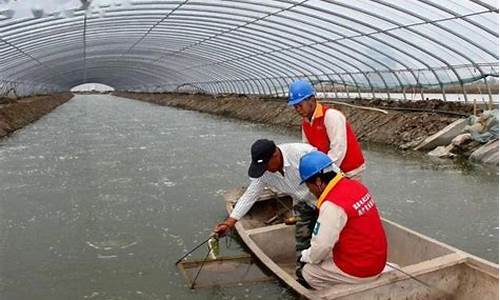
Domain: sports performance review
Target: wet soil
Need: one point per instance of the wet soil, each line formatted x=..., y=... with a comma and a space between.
x=17, y=113
x=394, y=128
x=403, y=123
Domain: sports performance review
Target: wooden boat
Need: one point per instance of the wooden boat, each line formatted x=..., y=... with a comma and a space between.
x=439, y=270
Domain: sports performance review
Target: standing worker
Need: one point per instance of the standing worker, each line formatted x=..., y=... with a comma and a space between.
x=327, y=129
x=348, y=243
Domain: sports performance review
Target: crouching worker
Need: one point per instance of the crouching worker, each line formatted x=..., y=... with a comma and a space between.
x=348, y=244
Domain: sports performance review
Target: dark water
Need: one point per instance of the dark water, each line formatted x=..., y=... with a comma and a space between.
x=99, y=198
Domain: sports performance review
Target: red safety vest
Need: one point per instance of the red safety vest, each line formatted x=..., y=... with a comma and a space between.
x=317, y=136
x=361, y=249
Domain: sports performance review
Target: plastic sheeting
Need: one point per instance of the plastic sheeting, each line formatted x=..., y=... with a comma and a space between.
x=483, y=128
x=252, y=47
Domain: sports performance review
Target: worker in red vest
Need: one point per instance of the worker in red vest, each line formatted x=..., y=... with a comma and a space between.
x=327, y=129
x=348, y=244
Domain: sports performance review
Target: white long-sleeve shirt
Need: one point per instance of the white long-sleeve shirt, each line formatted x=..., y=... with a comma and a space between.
x=331, y=220
x=335, y=124
x=288, y=183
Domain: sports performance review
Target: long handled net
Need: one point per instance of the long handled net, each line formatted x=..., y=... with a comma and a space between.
x=222, y=272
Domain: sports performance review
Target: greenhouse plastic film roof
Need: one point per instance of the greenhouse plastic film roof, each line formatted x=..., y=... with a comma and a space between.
x=251, y=47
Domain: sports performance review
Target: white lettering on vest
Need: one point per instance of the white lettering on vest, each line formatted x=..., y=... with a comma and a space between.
x=364, y=204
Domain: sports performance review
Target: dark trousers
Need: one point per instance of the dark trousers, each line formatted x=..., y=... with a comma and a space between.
x=306, y=220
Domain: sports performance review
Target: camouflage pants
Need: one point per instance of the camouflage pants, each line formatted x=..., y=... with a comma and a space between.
x=306, y=219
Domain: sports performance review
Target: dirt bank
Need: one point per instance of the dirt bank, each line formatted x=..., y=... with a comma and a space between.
x=395, y=128
x=15, y=114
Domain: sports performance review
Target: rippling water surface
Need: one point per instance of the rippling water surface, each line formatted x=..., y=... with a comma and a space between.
x=99, y=198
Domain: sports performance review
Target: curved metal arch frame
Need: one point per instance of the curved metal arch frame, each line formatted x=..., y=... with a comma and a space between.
x=353, y=78
x=310, y=57
x=56, y=43
x=425, y=20
x=394, y=47
x=31, y=57
x=118, y=65
x=157, y=73
x=231, y=43
x=309, y=45
x=267, y=76
x=118, y=81
x=431, y=68
x=291, y=33
x=434, y=40
x=350, y=48
x=156, y=60
x=262, y=65
x=281, y=58
x=382, y=78
x=70, y=59
x=144, y=59
x=6, y=86
x=297, y=47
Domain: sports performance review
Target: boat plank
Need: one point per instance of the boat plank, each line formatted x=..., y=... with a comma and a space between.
x=451, y=271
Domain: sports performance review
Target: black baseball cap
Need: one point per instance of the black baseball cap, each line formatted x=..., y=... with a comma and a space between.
x=262, y=150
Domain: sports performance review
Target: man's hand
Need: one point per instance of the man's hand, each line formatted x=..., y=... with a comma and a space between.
x=223, y=228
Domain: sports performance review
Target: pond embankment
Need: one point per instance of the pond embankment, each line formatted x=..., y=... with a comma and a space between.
x=405, y=124
x=394, y=128
x=396, y=123
x=17, y=113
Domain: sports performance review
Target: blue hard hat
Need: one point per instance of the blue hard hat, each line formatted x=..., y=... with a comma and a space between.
x=313, y=163
x=299, y=91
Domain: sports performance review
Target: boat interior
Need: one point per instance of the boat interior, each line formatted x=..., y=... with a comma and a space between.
x=426, y=268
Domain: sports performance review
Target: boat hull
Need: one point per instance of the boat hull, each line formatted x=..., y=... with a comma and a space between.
x=443, y=272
